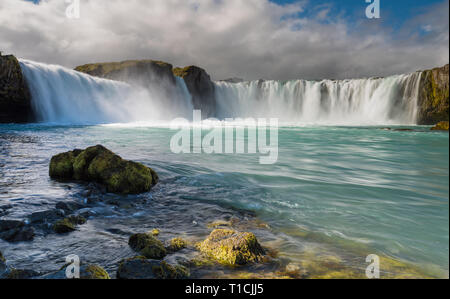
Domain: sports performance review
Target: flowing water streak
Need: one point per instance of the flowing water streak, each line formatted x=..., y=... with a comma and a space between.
x=350, y=102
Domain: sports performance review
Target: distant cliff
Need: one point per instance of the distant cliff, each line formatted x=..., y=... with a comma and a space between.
x=15, y=99
x=158, y=74
x=433, y=98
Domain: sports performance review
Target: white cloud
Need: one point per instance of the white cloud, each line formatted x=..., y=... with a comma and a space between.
x=230, y=38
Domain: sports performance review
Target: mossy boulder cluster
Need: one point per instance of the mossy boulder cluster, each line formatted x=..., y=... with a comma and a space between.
x=434, y=96
x=15, y=99
x=230, y=247
x=100, y=165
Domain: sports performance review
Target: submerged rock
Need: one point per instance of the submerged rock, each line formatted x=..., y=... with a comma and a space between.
x=142, y=268
x=46, y=216
x=69, y=207
x=100, y=165
x=176, y=244
x=442, y=126
x=20, y=274
x=15, y=231
x=68, y=224
x=148, y=246
x=231, y=247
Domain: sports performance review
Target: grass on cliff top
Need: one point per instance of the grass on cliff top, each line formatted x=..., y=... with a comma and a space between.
x=108, y=67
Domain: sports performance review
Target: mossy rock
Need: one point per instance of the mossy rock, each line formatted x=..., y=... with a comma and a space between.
x=61, y=166
x=441, y=126
x=148, y=246
x=155, y=232
x=68, y=224
x=2, y=258
x=93, y=272
x=176, y=244
x=98, y=164
x=231, y=247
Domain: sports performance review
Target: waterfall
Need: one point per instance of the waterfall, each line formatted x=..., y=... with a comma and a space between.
x=61, y=95
x=391, y=100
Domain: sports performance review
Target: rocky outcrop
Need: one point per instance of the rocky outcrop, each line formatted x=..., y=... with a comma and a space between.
x=100, y=165
x=441, y=126
x=201, y=88
x=15, y=99
x=230, y=247
x=434, y=96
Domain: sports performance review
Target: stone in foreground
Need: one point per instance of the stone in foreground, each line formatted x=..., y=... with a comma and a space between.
x=231, y=247
x=141, y=268
x=148, y=246
x=100, y=165
x=88, y=271
x=442, y=126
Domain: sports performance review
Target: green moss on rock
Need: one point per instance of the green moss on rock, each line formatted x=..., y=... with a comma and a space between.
x=176, y=244
x=93, y=272
x=231, y=247
x=2, y=258
x=147, y=245
x=68, y=224
x=98, y=164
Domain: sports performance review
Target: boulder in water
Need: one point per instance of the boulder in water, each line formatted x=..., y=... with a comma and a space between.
x=68, y=224
x=231, y=247
x=98, y=164
x=15, y=231
x=148, y=246
x=442, y=126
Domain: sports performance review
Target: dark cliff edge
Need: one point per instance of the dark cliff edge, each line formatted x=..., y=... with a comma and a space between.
x=433, y=97
x=201, y=88
x=15, y=99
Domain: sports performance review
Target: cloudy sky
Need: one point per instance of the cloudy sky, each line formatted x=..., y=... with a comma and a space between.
x=251, y=39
